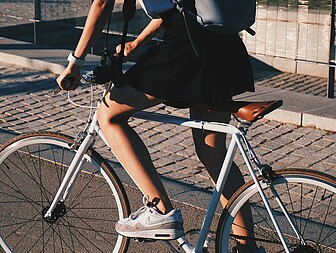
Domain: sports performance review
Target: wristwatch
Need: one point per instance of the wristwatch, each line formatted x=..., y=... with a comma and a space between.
x=73, y=59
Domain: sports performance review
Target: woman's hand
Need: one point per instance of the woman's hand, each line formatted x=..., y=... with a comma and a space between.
x=150, y=31
x=129, y=48
x=70, y=77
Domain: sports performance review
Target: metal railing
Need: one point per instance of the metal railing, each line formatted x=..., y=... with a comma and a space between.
x=332, y=53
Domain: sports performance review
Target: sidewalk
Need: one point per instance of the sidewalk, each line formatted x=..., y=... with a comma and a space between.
x=299, y=108
x=300, y=134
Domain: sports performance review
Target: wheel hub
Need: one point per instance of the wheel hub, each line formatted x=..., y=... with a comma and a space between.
x=310, y=247
x=59, y=211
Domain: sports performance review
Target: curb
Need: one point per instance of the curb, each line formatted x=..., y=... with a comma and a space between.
x=298, y=109
x=31, y=63
x=304, y=119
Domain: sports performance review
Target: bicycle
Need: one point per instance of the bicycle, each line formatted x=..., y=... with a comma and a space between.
x=58, y=194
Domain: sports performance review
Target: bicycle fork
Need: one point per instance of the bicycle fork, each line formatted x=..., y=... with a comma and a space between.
x=73, y=170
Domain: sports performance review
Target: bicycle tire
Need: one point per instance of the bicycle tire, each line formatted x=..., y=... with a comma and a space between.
x=31, y=169
x=309, y=197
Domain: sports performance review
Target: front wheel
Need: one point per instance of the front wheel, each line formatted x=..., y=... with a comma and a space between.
x=32, y=167
x=308, y=196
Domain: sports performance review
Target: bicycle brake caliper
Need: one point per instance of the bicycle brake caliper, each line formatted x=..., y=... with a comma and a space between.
x=78, y=140
x=267, y=174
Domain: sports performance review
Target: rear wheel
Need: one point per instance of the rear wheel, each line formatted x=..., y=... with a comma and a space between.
x=308, y=196
x=32, y=167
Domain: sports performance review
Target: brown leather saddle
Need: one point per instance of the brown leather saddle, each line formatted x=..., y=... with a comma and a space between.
x=248, y=111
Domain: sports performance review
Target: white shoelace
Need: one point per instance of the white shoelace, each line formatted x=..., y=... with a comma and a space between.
x=145, y=201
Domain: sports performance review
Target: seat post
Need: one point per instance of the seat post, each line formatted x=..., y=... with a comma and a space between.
x=243, y=125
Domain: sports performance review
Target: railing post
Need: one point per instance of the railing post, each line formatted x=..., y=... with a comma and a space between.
x=332, y=62
x=37, y=19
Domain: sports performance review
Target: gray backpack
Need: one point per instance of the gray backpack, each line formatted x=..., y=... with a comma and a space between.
x=222, y=16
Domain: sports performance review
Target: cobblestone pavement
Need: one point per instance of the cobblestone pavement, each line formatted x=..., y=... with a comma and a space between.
x=26, y=104
x=316, y=86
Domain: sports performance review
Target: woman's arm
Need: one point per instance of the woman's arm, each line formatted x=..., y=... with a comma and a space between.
x=98, y=15
x=150, y=31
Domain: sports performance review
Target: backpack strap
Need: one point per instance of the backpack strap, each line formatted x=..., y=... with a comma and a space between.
x=128, y=13
x=179, y=6
x=116, y=76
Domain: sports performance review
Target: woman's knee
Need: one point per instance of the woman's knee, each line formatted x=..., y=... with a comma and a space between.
x=108, y=115
x=102, y=116
x=121, y=103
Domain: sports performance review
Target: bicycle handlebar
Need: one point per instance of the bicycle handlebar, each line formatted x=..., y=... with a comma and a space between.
x=86, y=78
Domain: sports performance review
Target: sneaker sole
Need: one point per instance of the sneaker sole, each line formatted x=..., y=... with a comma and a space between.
x=167, y=234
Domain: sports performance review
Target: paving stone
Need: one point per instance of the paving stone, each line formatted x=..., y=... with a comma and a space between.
x=5, y=125
x=323, y=142
x=273, y=157
x=302, y=151
x=330, y=136
x=274, y=145
x=285, y=150
x=307, y=161
x=331, y=160
x=289, y=160
x=174, y=149
x=303, y=142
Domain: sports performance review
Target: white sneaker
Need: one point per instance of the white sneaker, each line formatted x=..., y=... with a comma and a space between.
x=148, y=223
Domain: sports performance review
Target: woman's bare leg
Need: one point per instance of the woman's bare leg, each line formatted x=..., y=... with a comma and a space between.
x=126, y=145
x=211, y=149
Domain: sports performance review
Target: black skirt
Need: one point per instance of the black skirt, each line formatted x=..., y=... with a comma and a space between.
x=173, y=72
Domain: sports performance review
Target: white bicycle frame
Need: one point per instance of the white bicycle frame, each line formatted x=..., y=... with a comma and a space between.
x=238, y=141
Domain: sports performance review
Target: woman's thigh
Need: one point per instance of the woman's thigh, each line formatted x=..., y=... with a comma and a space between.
x=200, y=112
x=120, y=103
x=210, y=146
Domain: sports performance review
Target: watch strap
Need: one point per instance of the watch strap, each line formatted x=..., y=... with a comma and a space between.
x=77, y=61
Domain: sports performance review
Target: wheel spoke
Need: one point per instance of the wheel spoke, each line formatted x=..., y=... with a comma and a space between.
x=90, y=227
x=73, y=236
x=308, y=197
x=30, y=174
x=22, y=225
x=18, y=190
x=326, y=214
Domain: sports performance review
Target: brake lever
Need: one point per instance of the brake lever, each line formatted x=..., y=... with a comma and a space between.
x=88, y=78
x=56, y=91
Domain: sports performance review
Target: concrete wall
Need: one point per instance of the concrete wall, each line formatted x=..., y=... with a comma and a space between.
x=293, y=40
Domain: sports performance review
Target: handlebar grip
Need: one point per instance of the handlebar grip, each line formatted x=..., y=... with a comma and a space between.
x=66, y=82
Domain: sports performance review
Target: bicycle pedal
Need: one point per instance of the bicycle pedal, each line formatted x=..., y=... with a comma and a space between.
x=144, y=240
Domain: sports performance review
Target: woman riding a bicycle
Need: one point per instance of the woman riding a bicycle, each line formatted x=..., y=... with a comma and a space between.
x=168, y=73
